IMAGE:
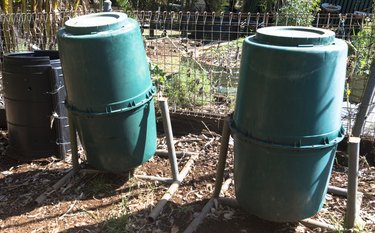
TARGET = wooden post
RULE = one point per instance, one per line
(222, 159)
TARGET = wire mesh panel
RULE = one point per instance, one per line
(195, 56)
(31, 31)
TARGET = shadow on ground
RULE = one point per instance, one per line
(176, 218)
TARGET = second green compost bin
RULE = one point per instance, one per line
(287, 122)
(109, 89)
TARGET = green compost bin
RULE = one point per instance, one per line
(287, 123)
(109, 89)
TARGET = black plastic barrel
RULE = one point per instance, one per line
(34, 94)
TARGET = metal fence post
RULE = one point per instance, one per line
(352, 208)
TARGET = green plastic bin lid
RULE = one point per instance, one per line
(295, 36)
(95, 23)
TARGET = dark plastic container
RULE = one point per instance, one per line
(30, 101)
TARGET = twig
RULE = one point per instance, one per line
(226, 185)
(56, 186)
(11, 187)
(188, 140)
(70, 209)
(209, 142)
(207, 128)
(179, 154)
(314, 223)
(157, 178)
(186, 54)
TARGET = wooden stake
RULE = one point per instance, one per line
(56, 186)
(222, 159)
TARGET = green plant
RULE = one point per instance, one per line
(119, 220)
(125, 5)
(298, 12)
(99, 184)
(362, 54)
(190, 86)
(157, 76)
(214, 5)
(266, 5)
(364, 43)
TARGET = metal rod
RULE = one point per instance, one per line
(365, 103)
(199, 219)
(337, 191)
(172, 189)
(73, 141)
(163, 103)
(352, 210)
(341, 191)
(314, 223)
(222, 159)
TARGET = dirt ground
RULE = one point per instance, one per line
(104, 202)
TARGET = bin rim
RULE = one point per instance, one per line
(43, 55)
(118, 107)
(244, 137)
(295, 36)
(96, 23)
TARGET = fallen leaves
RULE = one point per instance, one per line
(73, 208)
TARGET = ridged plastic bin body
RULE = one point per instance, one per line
(29, 104)
(109, 89)
(288, 116)
(281, 183)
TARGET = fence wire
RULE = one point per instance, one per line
(195, 57)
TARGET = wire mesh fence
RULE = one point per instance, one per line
(195, 57)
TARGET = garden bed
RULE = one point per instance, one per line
(104, 202)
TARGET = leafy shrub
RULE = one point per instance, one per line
(298, 12)
(190, 87)
(364, 43)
